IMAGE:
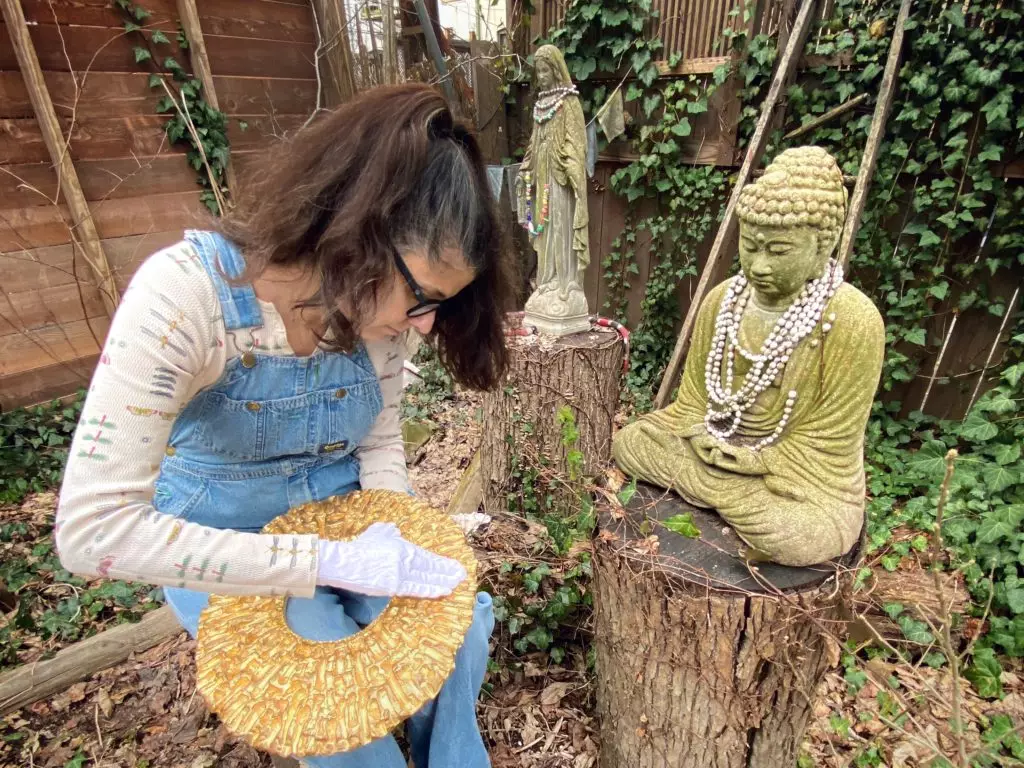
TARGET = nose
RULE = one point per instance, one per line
(423, 323)
(760, 268)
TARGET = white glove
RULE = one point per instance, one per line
(380, 562)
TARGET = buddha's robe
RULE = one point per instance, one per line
(800, 500)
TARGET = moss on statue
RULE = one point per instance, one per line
(793, 357)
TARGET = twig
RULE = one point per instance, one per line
(938, 362)
(947, 641)
(183, 111)
(317, 55)
(992, 350)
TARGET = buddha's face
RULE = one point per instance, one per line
(778, 261)
(545, 75)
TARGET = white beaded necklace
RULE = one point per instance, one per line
(550, 100)
(725, 407)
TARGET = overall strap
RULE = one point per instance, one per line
(221, 257)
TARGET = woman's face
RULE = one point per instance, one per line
(545, 75)
(440, 279)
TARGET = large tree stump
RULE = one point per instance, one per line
(582, 371)
(704, 661)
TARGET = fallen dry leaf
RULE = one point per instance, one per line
(552, 695)
(105, 704)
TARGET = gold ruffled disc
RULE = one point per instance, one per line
(292, 696)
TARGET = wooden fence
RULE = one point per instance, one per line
(140, 189)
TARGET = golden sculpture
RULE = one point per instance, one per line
(298, 697)
(768, 425)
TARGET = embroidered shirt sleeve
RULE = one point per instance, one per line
(166, 341)
(381, 453)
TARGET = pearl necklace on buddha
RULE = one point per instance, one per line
(550, 100)
(726, 408)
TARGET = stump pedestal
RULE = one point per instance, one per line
(704, 661)
(581, 370)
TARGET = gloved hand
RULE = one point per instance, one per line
(379, 562)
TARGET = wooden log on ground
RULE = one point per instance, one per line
(702, 660)
(581, 371)
(29, 683)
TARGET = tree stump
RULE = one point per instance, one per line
(704, 660)
(582, 371)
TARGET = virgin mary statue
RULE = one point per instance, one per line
(553, 200)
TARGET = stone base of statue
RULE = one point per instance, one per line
(702, 660)
(521, 428)
(558, 313)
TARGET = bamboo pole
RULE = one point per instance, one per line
(189, 15)
(390, 48)
(789, 60)
(84, 227)
(867, 163)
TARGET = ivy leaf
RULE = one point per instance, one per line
(1013, 374)
(916, 336)
(939, 290)
(683, 525)
(155, 80)
(1002, 523)
(929, 460)
(991, 152)
(586, 68)
(141, 13)
(998, 478)
(589, 12)
(915, 631)
(640, 59)
(142, 54)
(131, 26)
(955, 16)
(159, 37)
(1007, 454)
(977, 429)
(612, 18)
(984, 673)
(682, 128)
(651, 103)
(949, 218)
(166, 104)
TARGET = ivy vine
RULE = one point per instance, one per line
(183, 102)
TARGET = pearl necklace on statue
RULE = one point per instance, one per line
(549, 101)
(726, 408)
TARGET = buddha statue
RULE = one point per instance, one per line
(768, 425)
(551, 188)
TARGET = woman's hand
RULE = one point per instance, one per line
(380, 562)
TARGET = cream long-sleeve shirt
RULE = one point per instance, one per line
(106, 523)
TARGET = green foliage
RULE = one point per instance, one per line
(423, 399)
(683, 525)
(543, 605)
(34, 446)
(185, 103)
(54, 607)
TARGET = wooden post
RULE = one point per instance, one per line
(84, 227)
(335, 61)
(705, 660)
(201, 66)
(390, 47)
(867, 163)
(492, 131)
(789, 60)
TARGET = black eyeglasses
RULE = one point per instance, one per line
(424, 305)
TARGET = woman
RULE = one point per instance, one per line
(257, 368)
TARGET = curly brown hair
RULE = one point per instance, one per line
(390, 169)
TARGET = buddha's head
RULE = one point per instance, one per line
(550, 68)
(790, 222)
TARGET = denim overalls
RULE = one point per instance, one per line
(275, 432)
